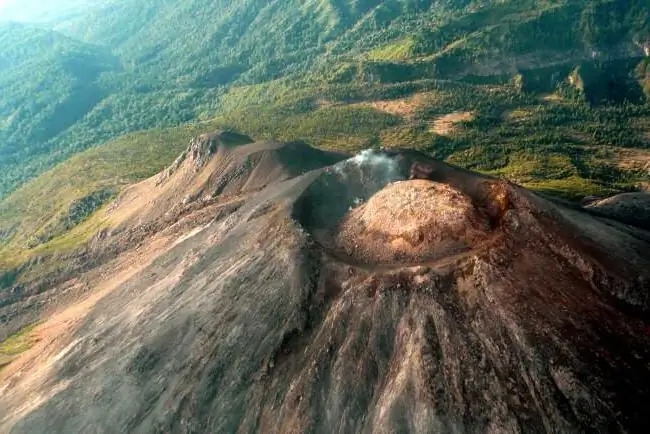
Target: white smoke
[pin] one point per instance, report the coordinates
(365, 174)
(373, 166)
(378, 162)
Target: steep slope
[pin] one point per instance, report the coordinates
(255, 41)
(213, 177)
(242, 33)
(314, 305)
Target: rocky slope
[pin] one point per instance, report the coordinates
(387, 292)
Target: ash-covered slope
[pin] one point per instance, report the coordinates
(210, 180)
(216, 166)
(352, 299)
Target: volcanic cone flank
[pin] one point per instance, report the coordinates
(294, 291)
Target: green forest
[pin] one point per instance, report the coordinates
(551, 94)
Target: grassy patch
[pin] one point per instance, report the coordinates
(412, 136)
(14, 345)
(340, 127)
(399, 50)
(76, 236)
(573, 188)
(42, 202)
(525, 167)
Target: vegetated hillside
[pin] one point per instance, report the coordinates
(396, 294)
(262, 40)
(48, 83)
(177, 59)
(47, 207)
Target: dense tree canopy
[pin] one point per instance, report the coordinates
(127, 65)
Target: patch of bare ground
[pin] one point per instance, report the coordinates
(446, 125)
(554, 99)
(644, 186)
(517, 115)
(404, 107)
(627, 158)
(551, 98)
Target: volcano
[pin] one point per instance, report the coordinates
(277, 288)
